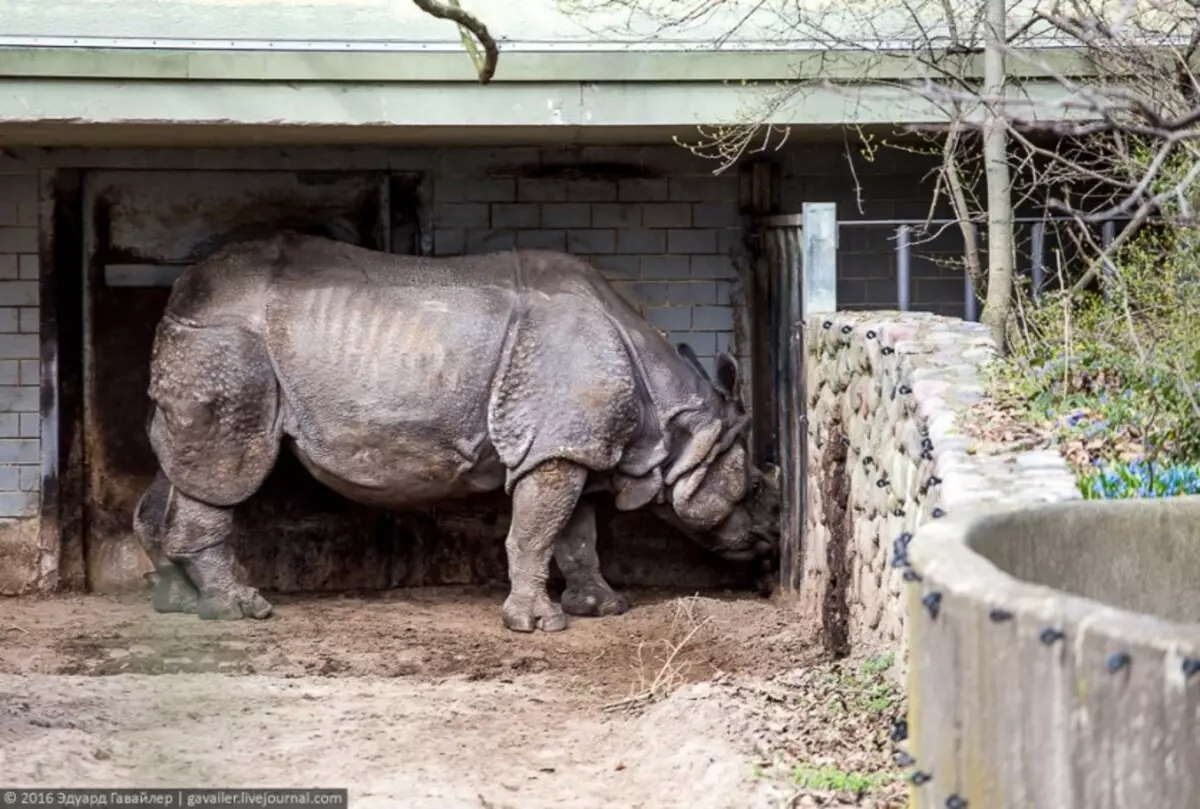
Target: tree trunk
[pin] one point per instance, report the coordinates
(999, 187)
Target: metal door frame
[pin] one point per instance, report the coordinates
(801, 263)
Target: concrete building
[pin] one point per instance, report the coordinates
(137, 139)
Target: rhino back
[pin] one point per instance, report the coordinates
(386, 365)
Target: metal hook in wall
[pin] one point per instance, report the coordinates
(1049, 635)
(933, 603)
(1117, 661)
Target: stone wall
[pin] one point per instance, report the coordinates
(886, 392)
(1055, 657)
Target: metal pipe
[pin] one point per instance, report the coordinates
(1020, 220)
(1107, 234)
(970, 305)
(1038, 250)
(903, 281)
(778, 261)
(818, 283)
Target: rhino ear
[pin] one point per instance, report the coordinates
(688, 354)
(727, 374)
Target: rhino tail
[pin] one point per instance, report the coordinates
(216, 423)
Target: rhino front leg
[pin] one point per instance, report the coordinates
(197, 540)
(587, 592)
(173, 590)
(543, 501)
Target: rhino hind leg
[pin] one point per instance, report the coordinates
(587, 592)
(173, 590)
(195, 539)
(543, 501)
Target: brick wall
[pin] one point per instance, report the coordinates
(893, 184)
(20, 462)
(669, 243)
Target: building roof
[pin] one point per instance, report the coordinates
(71, 71)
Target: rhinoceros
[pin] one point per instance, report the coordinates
(401, 381)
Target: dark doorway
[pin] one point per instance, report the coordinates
(141, 228)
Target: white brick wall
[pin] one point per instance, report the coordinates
(666, 242)
(20, 462)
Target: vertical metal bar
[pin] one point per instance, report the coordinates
(788, 460)
(1038, 258)
(970, 302)
(795, 302)
(970, 305)
(778, 260)
(903, 282)
(814, 292)
(1107, 234)
(818, 279)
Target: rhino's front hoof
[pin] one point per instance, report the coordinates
(594, 602)
(238, 603)
(173, 592)
(523, 614)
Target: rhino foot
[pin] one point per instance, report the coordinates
(594, 601)
(238, 602)
(527, 613)
(173, 592)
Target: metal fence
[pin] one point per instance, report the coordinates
(1035, 239)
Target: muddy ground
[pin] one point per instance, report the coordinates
(422, 699)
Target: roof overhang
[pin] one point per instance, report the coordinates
(100, 92)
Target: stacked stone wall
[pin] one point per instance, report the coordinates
(886, 393)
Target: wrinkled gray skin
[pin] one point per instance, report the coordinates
(402, 382)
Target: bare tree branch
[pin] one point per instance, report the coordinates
(469, 26)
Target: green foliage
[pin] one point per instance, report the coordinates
(1115, 372)
(878, 663)
(864, 690)
(829, 777)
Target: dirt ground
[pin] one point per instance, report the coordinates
(422, 699)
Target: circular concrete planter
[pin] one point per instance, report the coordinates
(1055, 657)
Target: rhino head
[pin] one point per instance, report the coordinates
(714, 495)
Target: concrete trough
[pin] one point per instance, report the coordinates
(1055, 658)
